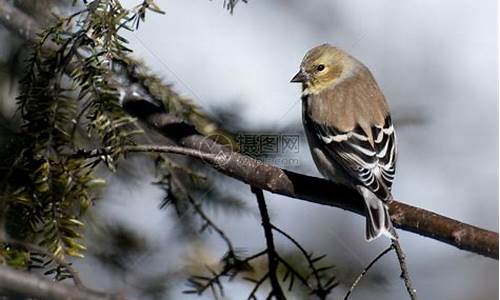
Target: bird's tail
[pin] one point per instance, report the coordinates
(378, 221)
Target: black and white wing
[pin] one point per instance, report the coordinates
(371, 164)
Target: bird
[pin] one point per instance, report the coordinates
(349, 130)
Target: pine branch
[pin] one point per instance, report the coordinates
(320, 290)
(59, 260)
(295, 274)
(231, 268)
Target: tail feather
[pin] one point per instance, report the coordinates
(378, 221)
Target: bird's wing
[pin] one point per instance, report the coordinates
(374, 165)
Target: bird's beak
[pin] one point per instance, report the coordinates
(299, 77)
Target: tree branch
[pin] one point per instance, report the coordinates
(271, 250)
(461, 235)
(276, 180)
(253, 293)
(30, 285)
(405, 275)
(321, 191)
(365, 270)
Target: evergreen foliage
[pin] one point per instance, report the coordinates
(67, 101)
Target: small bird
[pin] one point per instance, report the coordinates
(349, 130)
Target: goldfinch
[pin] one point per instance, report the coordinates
(349, 130)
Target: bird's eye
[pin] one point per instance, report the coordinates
(320, 67)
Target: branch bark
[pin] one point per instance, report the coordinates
(417, 220)
(274, 179)
(405, 275)
(30, 285)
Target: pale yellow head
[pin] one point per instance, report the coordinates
(322, 67)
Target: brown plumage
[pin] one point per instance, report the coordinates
(349, 129)
(345, 106)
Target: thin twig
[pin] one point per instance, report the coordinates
(199, 211)
(210, 223)
(271, 250)
(256, 287)
(209, 157)
(365, 270)
(306, 255)
(226, 271)
(404, 268)
(295, 273)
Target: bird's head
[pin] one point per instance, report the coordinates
(321, 67)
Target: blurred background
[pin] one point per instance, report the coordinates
(437, 63)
